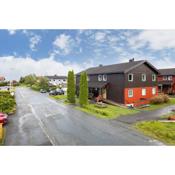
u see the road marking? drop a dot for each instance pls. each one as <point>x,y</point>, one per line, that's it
<point>53,142</point>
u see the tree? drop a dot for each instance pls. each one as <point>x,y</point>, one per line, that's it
<point>83,94</point>
<point>43,83</point>
<point>71,87</point>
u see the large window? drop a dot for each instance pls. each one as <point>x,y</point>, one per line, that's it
<point>130,93</point>
<point>153,77</point>
<point>154,91</point>
<point>130,77</point>
<point>105,77</point>
<point>143,77</point>
<point>143,92</point>
<point>100,77</point>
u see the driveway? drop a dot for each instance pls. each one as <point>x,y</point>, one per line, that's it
<point>146,115</point>
<point>43,121</point>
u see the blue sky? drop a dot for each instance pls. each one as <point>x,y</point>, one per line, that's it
<point>56,51</point>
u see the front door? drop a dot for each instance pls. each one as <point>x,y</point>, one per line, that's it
<point>104,93</point>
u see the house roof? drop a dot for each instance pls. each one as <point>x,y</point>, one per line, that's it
<point>56,77</point>
<point>118,68</point>
<point>97,84</point>
<point>170,71</point>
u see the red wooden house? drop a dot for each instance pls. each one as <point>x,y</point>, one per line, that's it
<point>166,81</point>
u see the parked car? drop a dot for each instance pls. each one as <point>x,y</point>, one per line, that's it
<point>3,118</point>
<point>43,91</point>
<point>60,92</point>
<point>56,92</point>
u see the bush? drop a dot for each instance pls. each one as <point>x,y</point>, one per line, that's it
<point>7,102</point>
<point>159,99</point>
<point>1,133</point>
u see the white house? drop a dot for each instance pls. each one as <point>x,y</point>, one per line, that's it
<point>58,80</point>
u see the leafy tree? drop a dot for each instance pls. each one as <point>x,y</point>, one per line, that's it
<point>83,94</point>
<point>71,87</point>
<point>43,83</point>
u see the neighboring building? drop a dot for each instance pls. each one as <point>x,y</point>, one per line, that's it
<point>2,79</point>
<point>58,80</point>
<point>131,83</point>
<point>166,81</point>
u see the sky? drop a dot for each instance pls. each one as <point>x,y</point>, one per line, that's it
<point>50,52</point>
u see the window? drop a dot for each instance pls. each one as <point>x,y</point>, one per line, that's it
<point>130,77</point>
<point>143,92</point>
<point>100,77</point>
<point>153,77</point>
<point>88,78</point>
<point>130,93</point>
<point>153,91</point>
<point>165,77</point>
<point>143,77</point>
<point>104,77</point>
<point>170,78</point>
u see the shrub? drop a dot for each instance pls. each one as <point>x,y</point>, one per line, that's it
<point>159,99</point>
<point>1,133</point>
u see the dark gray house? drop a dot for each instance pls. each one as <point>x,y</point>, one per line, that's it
<point>130,83</point>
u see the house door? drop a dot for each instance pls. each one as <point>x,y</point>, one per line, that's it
<point>104,93</point>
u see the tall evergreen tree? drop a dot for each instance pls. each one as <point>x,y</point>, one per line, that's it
<point>71,87</point>
<point>83,94</point>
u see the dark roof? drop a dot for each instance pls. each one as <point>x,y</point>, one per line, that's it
<point>97,84</point>
<point>56,77</point>
<point>170,71</point>
<point>165,82</point>
<point>118,68</point>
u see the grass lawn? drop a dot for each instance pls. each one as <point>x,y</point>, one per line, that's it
<point>110,112</point>
<point>162,131</point>
<point>59,97</point>
<point>159,106</point>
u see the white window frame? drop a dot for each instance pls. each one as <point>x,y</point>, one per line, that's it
<point>144,77</point>
<point>130,93</point>
<point>100,77</point>
<point>143,91</point>
<point>132,77</point>
<point>165,77</point>
<point>104,77</point>
<point>170,77</point>
<point>153,77</point>
<point>154,91</point>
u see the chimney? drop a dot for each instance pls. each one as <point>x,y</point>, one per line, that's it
<point>131,60</point>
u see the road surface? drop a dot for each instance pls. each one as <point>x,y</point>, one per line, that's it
<point>40,120</point>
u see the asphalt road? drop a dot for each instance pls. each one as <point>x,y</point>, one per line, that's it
<point>43,121</point>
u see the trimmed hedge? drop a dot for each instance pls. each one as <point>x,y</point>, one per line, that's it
<point>1,133</point>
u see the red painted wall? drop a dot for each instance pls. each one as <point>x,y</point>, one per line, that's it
<point>138,95</point>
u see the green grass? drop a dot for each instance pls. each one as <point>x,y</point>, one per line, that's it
<point>159,106</point>
<point>110,112</point>
<point>59,97</point>
<point>162,131</point>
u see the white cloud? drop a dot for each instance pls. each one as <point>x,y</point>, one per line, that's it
<point>156,39</point>
<point>34,41</point>
<point>15,67</point>
<point>12,31</point>
<point>100,36</point>
<point>64,43</point>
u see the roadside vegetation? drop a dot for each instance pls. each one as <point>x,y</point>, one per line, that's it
<point>59,97</point>
<point>34,82</point>
<point>7,102</point>
<point>163,131</point>
<point>108,112</point>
